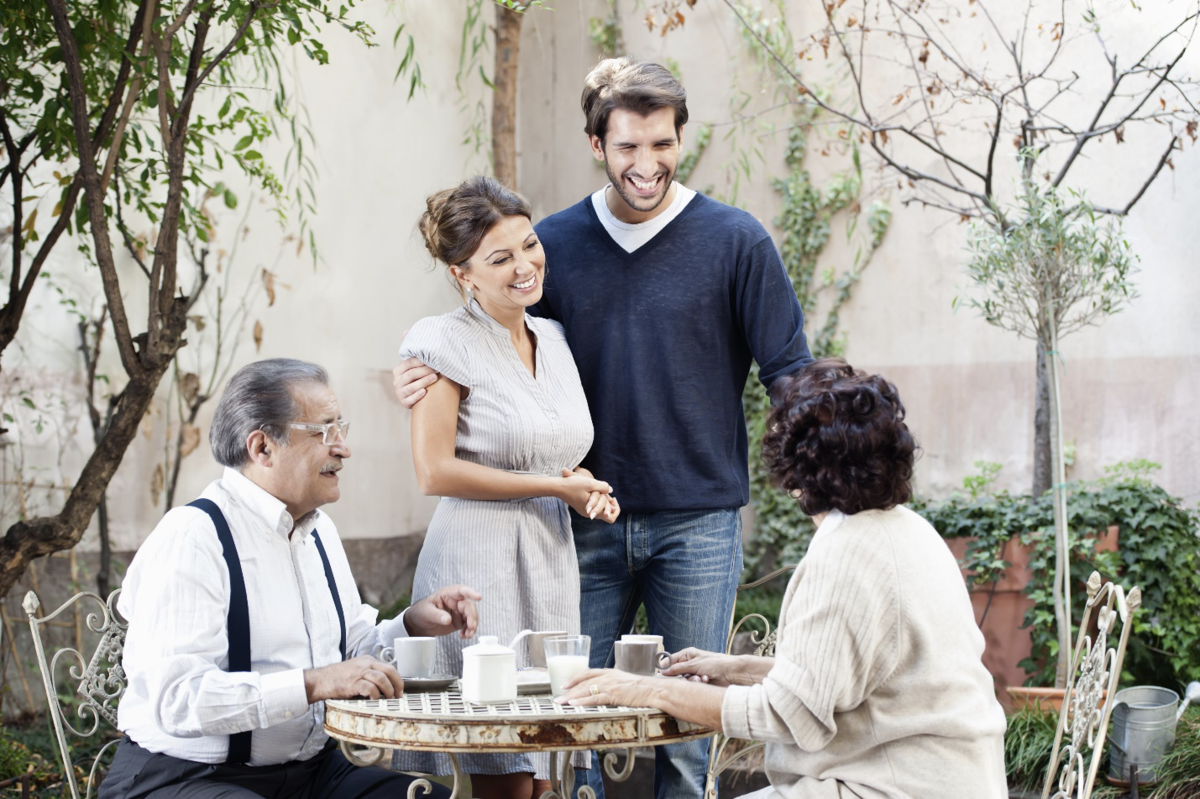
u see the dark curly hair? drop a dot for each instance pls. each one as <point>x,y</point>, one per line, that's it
<point>836,439</point>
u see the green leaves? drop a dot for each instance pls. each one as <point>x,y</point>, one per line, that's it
<point>1159,551</point>
<point>1051,264</point>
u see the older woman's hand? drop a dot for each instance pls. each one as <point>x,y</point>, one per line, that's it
<point>608,687</point>
<point>711,667</point>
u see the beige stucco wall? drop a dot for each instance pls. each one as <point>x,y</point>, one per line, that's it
<point>1128,385</point>
<point>378,156</point>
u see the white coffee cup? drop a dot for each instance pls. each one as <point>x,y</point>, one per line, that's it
<point>643,639</point>
<point>412,657</point>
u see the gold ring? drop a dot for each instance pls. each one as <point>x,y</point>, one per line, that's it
<point>595,690</point>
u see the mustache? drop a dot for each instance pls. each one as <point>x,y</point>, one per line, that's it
<point>331,467</point>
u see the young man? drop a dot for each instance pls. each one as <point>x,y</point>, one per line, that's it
<point>244,616</point>
<point>665,296</point>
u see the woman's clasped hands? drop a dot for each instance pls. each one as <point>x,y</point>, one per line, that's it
<point>588,496</point>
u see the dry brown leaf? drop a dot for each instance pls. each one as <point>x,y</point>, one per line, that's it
<point>189,386</point>
<point>189,440</point>
<point>197,322</point>
<point>268,281</point>
<point>1120,134</point>
<point>27,228</point>
<point>157,481</point>
<point>258,335</point>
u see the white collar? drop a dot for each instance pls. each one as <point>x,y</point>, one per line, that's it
<point>265,506</point>
<point>833,520</point>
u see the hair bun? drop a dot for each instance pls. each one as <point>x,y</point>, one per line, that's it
<point>456,219</point>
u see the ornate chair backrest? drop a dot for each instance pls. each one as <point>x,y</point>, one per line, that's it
<point>92,686</point>
<point>764,645</point>
<point>1095,670</point>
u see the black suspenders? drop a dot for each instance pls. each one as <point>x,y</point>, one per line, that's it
<point>239,612</point>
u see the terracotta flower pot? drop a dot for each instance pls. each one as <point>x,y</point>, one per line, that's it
<point>1048,700</point>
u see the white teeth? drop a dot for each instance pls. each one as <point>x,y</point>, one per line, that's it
<point>644,186</point>
<point>527,284</point>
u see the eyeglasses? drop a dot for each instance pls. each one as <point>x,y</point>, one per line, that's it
<point>329,432</point>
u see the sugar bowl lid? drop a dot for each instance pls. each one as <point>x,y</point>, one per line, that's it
<point>488,646</point>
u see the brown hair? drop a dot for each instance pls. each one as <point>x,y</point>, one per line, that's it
<point>836,439</point>
<point>638,86</point>
<point>457,219</point>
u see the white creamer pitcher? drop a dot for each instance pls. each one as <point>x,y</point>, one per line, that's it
<point>490,671</point>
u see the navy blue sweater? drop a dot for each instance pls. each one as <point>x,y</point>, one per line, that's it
<point>663,338</point>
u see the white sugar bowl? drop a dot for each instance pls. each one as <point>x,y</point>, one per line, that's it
<point>489,672</point>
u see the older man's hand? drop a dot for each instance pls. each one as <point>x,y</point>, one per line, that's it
<point>353,678</point>
<point>444,611</point>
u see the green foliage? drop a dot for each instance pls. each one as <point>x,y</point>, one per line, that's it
<point>35,103</point>
<point>687,164</point>
<point>1030,737</point>
<point>605,32</point>
<point>1058,268</point>
<point>1027,746</point>
<point>782,531</point>
<point>1158,552</point>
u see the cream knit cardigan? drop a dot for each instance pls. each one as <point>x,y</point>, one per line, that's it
<point>877,690</point>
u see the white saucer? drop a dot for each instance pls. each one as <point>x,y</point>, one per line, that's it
<point>438,682</point>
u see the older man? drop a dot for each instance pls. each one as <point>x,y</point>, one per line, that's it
<point>244,616</point>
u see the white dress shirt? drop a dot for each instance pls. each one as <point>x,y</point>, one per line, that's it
<point>631,236</point>
<point>180,700</point>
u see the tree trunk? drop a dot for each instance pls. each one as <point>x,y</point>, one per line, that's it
<point>33,538</point>
<point>1042,462</point>
<point>504,96</point>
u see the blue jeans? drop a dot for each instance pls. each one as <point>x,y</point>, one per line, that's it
<point>684,566</point>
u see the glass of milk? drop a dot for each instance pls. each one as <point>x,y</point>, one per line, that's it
<point>566,657</point>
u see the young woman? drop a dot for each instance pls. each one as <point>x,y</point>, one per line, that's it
<point>499,437</point>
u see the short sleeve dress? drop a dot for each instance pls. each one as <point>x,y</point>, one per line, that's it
<point>518,553</point>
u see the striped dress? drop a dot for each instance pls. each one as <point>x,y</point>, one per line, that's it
<point>519,554</point>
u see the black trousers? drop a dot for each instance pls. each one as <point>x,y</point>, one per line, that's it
<point>139,774</point>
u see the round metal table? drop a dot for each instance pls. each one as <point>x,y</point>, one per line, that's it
<point>444,722</point>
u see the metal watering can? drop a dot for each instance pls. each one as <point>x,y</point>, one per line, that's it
<point>1144,719</point>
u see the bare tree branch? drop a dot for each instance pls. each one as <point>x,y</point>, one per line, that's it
<point>1166,157</point>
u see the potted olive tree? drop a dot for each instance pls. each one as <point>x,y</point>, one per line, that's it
<point>1052,266</point>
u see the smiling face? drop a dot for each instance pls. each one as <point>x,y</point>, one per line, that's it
<point>640,155</point>
<point>506,272</point>
<point>303,474</point>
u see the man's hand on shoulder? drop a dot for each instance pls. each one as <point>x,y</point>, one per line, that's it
<point>350,679</point>
<point>444,611</point>
<point>410,378</point>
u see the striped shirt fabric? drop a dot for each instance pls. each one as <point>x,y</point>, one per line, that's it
<point>519,554</point>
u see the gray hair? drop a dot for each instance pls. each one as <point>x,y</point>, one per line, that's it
<point>259,396</point>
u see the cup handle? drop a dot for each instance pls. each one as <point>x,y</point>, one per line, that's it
<point>388,654</point>
<point>670,661</point>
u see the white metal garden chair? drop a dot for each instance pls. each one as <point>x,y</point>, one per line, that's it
<point>764,645</point>
<point>92,686</point>
<point>1091,685</point>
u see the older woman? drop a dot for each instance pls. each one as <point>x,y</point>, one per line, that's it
<point>876,689</point>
